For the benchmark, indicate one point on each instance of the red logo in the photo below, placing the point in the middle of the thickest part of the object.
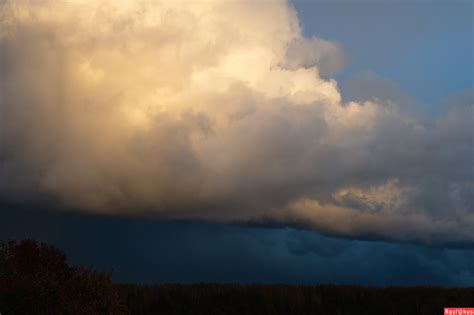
(459, 311)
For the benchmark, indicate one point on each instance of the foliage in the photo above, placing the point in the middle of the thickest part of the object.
(36, 279)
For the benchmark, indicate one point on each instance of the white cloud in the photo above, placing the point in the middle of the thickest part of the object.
(217, 110)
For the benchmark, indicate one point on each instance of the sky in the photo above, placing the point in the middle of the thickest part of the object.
(423, 47)
(257, 142)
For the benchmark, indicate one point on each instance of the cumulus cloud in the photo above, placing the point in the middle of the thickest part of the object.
(217, 110)
(315, 52)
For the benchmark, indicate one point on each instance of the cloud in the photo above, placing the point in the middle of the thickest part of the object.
(367, 85)
(220, 111)
(315, 52)
(303, 243)
(190, 251)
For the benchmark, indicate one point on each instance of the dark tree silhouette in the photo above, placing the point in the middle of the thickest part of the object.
(36, 279)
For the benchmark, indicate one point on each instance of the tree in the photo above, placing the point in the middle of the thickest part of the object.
(36, 279)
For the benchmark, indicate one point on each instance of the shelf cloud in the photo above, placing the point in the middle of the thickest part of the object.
(220, 111)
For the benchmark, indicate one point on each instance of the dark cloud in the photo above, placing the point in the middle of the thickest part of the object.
(303, 243)
(157, 251)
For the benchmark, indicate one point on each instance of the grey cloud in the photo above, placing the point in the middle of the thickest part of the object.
(327, 56)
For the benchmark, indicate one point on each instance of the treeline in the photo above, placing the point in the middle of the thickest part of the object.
(36, 279)
(291, 299)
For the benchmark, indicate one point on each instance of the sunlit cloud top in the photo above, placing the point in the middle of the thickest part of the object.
(218, 110)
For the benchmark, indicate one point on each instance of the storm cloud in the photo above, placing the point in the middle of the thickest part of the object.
(221, 111)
